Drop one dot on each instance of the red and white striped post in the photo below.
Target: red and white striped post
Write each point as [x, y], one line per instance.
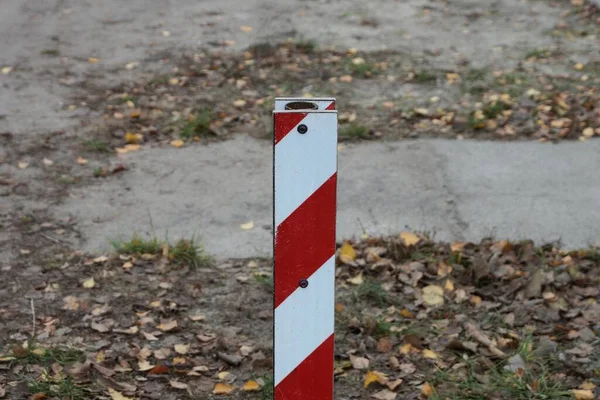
[304, 180]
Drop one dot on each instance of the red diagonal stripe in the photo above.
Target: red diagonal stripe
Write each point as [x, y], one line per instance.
[312, 379]
[285, 122]
[305, 240]
[331, 106]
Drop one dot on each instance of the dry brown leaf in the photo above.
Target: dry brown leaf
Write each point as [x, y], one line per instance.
[393, 385]
[359, 362]
[168, 325]
[347, 253]
[384, 345]
[409, 238]
[222, 388]
[178, 385]
[385, 394]
[182, 348]
[433, 295]
[114, 395]
[427, 390]
[251, 386]
[98, 327]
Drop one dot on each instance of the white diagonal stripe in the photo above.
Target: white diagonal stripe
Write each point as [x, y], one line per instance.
[304, 320]
[303, 162]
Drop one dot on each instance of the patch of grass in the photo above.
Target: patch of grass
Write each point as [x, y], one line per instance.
[425, 76]
[47, 356]
[184, 252]
[96, 145]
[537, 53]
[50, 52]
[63, 389]
[307, 46]
[138, 245]
[266, 392]
[159, 80]
[383, 328]
[124, 99]
[265, 280]
[495, 108]
[354, 130]
[197, 126]
[372, 291]
[189, 252]
[363, 69]
[475, 74]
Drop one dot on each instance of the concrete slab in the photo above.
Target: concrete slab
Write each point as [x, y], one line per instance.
[459, 190]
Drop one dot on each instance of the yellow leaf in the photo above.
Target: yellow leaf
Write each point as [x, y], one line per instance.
[177, 143]
[579, 66]
[449, 286]
[182, 348]
[247, 226]
[6, 70]
[357, 280]
[22, 164]
[168, 325]
[433, 295]
[427, 390]
[222, 388]
[587, 385]
[430, 354]
[179, 360]
[224, 375]
[114, 395]
[239, 103]
[93, 60]
[347, 253]
[372, 377]
[409, 239]
[81, 161]
[251, 386]
[406, 313]
[583, 394]
[89, 283]
[452, 77]
[133, 138]
[246, 28]
[475, 300]
[358, 61]
[408, 348]
[588, 132]
[128, 148]
[444, 269]
[339, 307]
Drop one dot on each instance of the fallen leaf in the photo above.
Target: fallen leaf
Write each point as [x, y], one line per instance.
[47, 162]
[588, 132]
[579, 66]
[133, 138]
[144, 365]
[226, 376]
[346, 78]
[182, 348]
[515, 363]
[168, 325]
[159, 370]
[6, 70]
[347, 253]
[222, 388]
[239, 103]
[357, 280]
[359, 362]
[22, 165]
[372, 377]
[430, 354]
[2, 392]
[100, 259]
[81, 161]
[246, 350]
[358, 61]
[247, 226]
[393, 385]
[89, 283]
[407, 314]
[132, 65]
[433, 295]
[583, 394]
[251, 386]
[385, 394]
[246, 28]
[93, 60]
[475, 300]
[38, 396]
[339, 307]
[384, 345]
[177, 143]
[197, 318]
[99, 327]
[449, 286]
[114, 395]
[427, 390]
[178, 385]
[409, 239]
[408, 348]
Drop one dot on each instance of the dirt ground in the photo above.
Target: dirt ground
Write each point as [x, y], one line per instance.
[83, 81]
